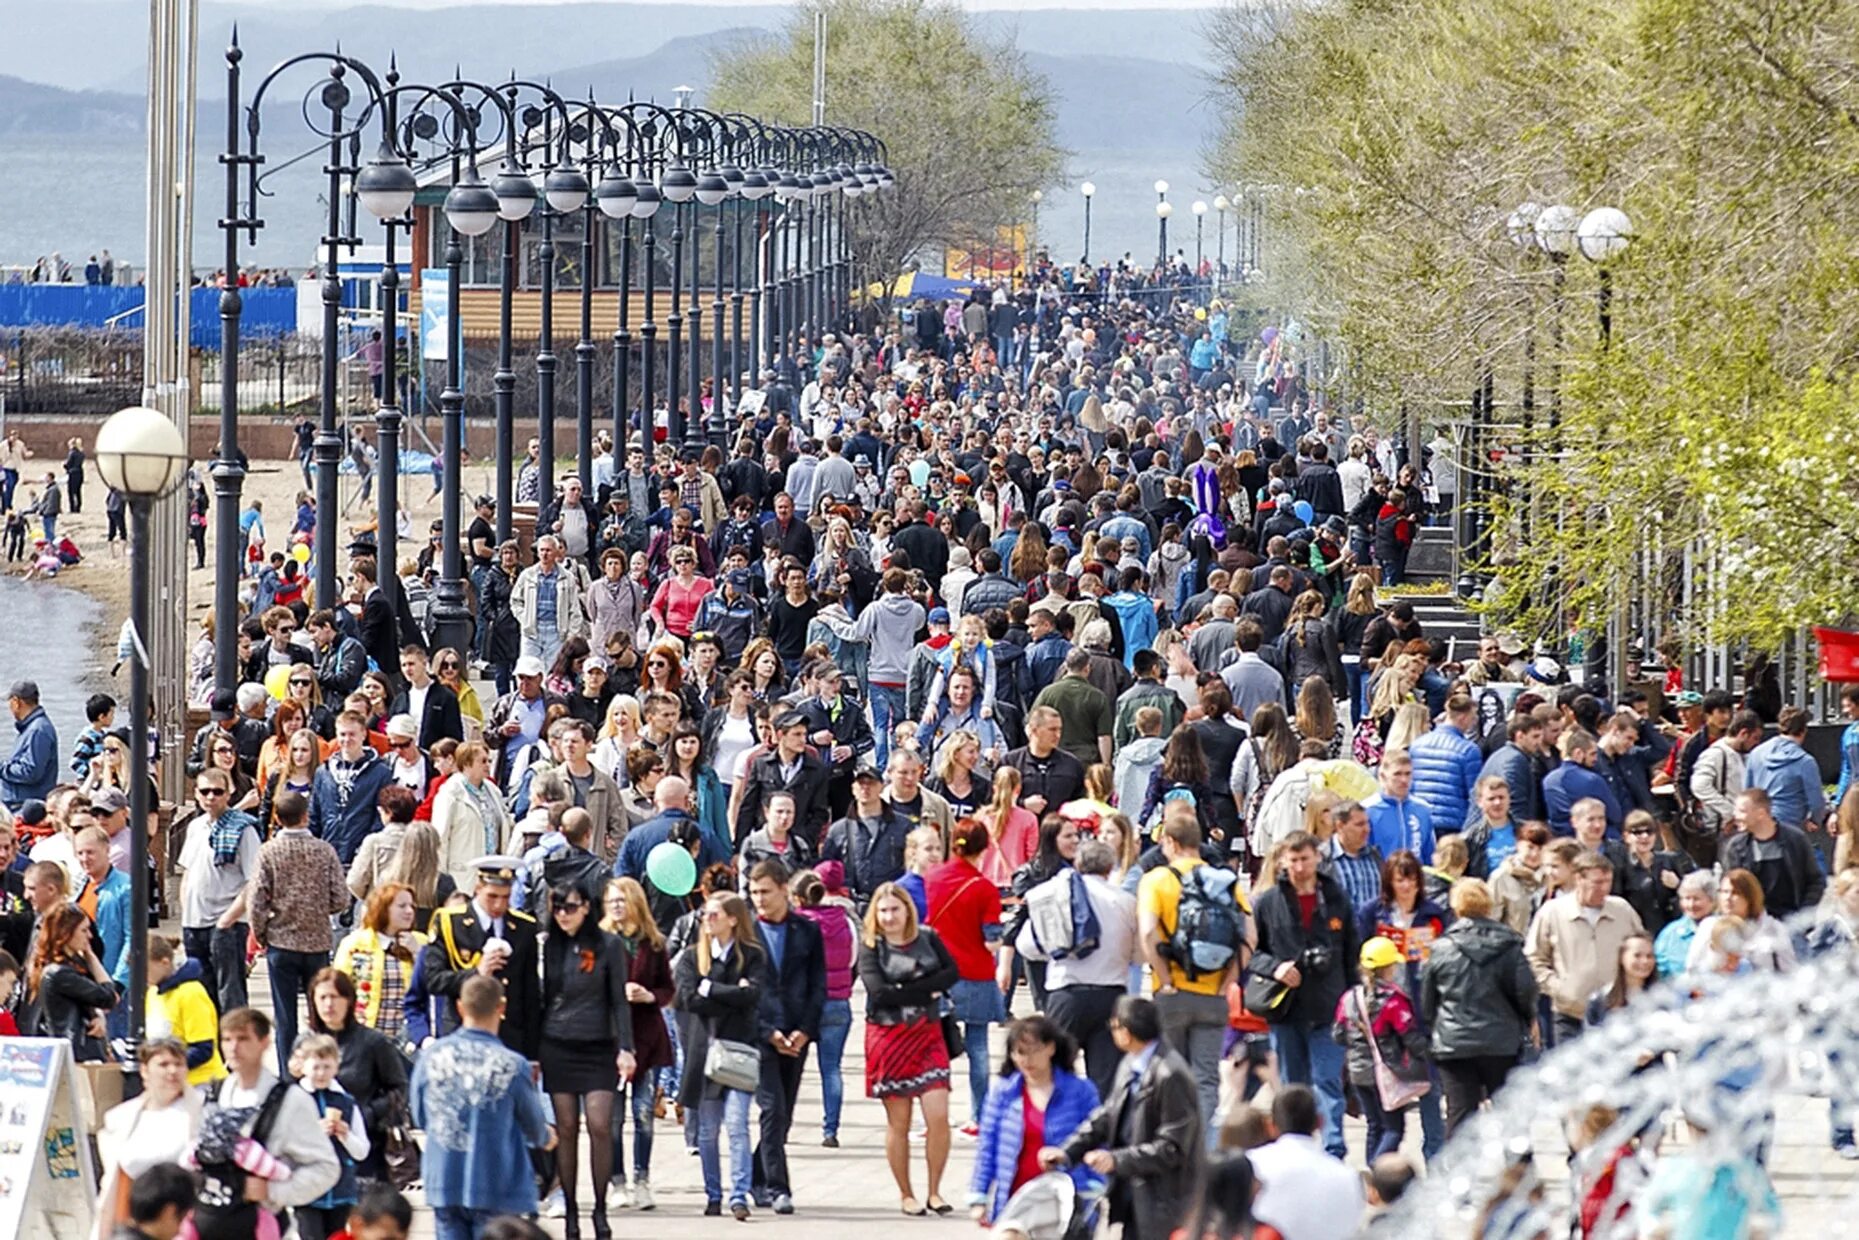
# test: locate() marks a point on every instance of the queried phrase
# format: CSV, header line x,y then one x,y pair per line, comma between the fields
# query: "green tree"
x,y
969,127
1715,421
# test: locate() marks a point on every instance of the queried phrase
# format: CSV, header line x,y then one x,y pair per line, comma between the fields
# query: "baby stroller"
x,y
1051,1207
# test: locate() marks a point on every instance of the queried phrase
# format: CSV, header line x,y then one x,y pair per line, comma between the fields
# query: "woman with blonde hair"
x,y
720,978
649,989
618,734
1029,557
958,779
1013,832
1411,722
1394,688
293,770
379,955
416,865
1351,624
907,972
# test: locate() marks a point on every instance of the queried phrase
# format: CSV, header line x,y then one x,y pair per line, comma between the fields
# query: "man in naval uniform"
x,y
488,937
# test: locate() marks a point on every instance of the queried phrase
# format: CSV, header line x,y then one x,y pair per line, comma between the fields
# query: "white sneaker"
x,y
642,1196
554,1206
619,1197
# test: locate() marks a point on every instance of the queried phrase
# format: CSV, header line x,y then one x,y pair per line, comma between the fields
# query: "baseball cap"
x,y
109,800
939,615
530,665
403,727
225,705
1688,697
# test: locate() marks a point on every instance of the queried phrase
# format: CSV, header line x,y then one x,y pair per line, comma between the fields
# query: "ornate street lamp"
x,y
142,455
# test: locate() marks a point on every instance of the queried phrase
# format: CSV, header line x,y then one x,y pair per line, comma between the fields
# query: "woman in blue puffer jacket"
x,y
1037,1101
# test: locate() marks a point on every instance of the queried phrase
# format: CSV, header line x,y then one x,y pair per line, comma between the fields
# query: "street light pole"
x,y
1089,191
1220,205
1162,211
1200,217
328,443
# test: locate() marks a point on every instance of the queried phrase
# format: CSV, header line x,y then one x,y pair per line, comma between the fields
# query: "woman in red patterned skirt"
x,y
907,971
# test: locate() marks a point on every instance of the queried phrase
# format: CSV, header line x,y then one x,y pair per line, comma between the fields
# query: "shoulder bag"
x,y
1396,1092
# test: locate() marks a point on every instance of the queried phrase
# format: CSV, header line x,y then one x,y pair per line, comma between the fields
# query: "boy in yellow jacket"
x,y
180,1007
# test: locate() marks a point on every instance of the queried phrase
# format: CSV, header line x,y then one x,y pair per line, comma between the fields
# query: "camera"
x,y
1317,958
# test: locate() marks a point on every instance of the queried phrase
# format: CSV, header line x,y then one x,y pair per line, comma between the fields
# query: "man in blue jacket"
x,y
1446,765
1514,762
1576,780
1397,821
31,771
342,798
1788,773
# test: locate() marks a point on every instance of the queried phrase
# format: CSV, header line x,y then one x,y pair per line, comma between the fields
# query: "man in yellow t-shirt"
x,y
1192,1006
180,1007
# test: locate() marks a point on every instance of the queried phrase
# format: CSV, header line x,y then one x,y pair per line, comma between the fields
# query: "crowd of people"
x,y
1069,687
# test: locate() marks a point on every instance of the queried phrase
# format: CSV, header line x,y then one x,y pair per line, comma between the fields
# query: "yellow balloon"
x,y
301,553
1200,315
277,681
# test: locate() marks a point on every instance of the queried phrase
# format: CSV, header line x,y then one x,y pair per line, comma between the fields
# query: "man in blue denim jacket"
x,y
482,1114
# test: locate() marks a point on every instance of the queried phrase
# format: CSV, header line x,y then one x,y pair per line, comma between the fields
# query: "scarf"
x,y
228,830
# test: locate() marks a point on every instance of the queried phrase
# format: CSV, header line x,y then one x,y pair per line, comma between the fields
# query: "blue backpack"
x,y
1209,927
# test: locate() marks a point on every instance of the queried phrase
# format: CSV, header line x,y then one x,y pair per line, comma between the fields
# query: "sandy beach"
x,y
103,576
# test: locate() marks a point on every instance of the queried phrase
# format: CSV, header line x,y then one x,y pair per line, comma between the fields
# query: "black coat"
x,y
1158,1145
1283,937
795,993
851,729
1322,487
451,958
340,668
68,998
928,550
371,1071
439,721
584,996
808,786
1803,883
1477,993
870,858
727,1012
904,983
1645,890
379,635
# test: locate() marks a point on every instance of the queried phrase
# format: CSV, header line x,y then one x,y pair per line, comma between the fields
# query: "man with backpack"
x,y
1084,979
1193,928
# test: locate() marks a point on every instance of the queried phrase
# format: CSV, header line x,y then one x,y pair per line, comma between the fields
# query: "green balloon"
x,y
671,869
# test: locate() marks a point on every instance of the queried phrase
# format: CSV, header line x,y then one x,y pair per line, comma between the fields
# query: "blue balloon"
x,y
1304,511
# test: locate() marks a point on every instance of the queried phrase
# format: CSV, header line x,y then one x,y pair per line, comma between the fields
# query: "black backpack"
x,y
1209,927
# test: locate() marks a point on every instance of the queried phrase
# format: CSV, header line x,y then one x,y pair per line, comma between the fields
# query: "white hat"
x,y
403,726
530,665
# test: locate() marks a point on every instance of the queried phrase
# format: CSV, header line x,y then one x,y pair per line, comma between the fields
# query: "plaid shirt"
x,y
1360,875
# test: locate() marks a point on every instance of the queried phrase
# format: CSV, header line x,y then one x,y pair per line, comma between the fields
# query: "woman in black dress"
x,y
587,1043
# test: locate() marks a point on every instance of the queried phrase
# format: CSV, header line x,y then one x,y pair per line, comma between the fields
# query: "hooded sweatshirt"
x,y
181,1008
890,625
1136,761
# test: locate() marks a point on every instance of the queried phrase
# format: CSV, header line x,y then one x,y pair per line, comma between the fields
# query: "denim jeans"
x,y
835,1027
290,980
460,1222
1385,1128
545,644
642,1099
50,525
222,954
1194,1026
887,711
732,1109
975,1039
1311,1057
9,478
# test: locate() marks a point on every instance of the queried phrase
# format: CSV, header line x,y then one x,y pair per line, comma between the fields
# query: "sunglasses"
x,y
569,908
301,684
657,663
212,792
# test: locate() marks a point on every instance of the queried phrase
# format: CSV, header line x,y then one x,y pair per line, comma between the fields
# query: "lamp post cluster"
x,y
617,169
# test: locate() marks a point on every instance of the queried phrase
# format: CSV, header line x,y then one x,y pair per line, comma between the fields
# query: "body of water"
x,y
1123,215
60,639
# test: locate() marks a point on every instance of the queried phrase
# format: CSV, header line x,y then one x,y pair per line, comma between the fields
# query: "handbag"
x,y
1264,995
1396,1092
400,1153
952,1037
733,1065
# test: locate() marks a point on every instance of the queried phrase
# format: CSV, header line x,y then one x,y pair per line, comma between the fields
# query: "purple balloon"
x,y
1268,335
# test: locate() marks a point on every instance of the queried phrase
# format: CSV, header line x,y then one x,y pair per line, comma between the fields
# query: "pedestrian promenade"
x,y
850,1188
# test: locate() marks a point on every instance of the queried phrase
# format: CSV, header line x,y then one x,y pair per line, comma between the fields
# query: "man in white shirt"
x,y
1304,1192
1081,993
219,858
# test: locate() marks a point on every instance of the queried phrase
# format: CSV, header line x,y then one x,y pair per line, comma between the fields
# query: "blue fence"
x,y
268,311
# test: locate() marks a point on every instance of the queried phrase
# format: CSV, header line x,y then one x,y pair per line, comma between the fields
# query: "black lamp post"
x,y
142,455
1200,217
723,385
678,184
1089,191
1163,209
1221,203
516,198
617,197
328,117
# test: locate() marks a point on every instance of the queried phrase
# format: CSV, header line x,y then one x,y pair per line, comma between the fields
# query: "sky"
x,y
971,5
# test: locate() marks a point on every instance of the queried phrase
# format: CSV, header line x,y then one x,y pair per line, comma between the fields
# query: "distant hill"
x,y
29,109
100,44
